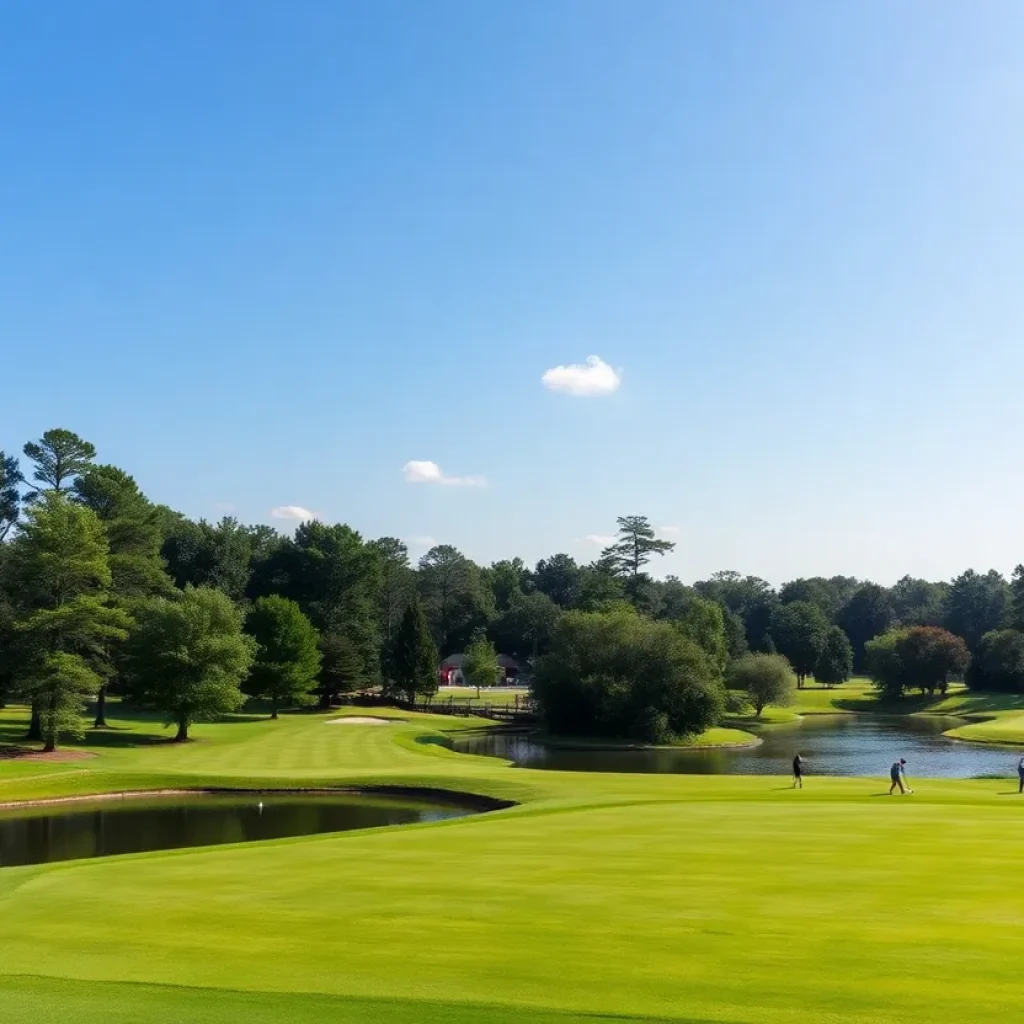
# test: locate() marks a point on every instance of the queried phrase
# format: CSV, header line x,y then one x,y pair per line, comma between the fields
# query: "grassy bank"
x,y
681,898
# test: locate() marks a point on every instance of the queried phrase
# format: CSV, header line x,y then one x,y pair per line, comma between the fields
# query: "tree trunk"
x,y
101,709
51,744
273,712
325,701
35,728
182,730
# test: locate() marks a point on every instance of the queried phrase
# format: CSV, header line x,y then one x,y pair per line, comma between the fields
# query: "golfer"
x,y
1020,775
898,775
798,771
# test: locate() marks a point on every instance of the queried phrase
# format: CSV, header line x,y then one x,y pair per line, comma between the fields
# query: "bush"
x,y
614,674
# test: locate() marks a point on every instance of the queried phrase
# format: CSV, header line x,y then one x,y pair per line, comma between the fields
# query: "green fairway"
x,y
675,898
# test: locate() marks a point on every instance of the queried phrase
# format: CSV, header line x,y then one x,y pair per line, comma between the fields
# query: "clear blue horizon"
x,y
265,257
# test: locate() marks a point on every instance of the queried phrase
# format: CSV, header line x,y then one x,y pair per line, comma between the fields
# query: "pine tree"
x,y
414,659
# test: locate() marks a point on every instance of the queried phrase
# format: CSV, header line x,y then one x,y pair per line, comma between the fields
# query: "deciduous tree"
x,y
835,662
288,655
188,656
480,666
798,631
867,614
916,657
765,678
617,674
978,604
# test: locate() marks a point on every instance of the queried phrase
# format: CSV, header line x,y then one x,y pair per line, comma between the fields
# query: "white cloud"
x,y
600,539
417,472
422,542
584,380
669,531
295,512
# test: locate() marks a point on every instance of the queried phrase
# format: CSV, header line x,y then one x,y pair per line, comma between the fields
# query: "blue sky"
x,y
267,254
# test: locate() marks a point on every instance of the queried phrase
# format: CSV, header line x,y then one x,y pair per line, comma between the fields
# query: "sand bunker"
x,y
362,720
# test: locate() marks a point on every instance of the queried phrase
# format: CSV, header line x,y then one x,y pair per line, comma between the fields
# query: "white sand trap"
x,y
362,720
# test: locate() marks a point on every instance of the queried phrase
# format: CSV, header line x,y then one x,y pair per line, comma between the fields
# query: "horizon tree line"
x,y
97,583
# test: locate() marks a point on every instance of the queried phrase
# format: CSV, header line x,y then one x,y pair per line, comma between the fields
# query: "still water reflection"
x,y
831,745
39,835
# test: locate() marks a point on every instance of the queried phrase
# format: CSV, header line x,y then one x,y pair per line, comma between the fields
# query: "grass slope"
x,y
667,898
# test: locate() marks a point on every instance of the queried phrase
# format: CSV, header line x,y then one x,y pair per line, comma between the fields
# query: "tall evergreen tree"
x,y
633,550
57,458
414,661
10,495
65,623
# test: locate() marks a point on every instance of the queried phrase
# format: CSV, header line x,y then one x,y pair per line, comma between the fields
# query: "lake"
x,y
860,745
100,828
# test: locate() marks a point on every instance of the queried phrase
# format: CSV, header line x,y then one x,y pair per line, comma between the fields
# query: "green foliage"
x,y
867,614
628,556
341,667
206,555
65,628
335,577
703,622
188,656
765,678
919,603
414,661
559,578
454,598
133,529
288,654
749,597
617,674
396,585
828,594
57,458
508,580
916,657
10,495
999,663
978,604
798,631
1016,618
835,662
524,629
480,667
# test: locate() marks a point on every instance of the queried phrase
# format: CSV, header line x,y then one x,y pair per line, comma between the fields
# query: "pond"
x,y
859,745
100,828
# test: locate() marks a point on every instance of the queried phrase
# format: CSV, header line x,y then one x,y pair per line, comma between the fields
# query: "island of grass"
x,y
715,738
651,898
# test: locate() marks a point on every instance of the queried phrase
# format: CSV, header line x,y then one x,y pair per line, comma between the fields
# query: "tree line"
x,y
103,590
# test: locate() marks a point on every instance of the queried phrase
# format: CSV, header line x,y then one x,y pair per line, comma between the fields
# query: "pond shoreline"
x,y
470,801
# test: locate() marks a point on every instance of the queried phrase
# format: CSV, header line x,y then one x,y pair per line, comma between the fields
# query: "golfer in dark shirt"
x,y
1020,775
798,772
897,775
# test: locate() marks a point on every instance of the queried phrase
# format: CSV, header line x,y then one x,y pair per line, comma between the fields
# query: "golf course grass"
x,y
631,897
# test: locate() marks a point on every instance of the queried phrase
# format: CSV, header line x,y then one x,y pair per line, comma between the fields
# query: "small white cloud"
x,y
669,531
294,512
422,542
223,507
417,472
584,380
601,540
